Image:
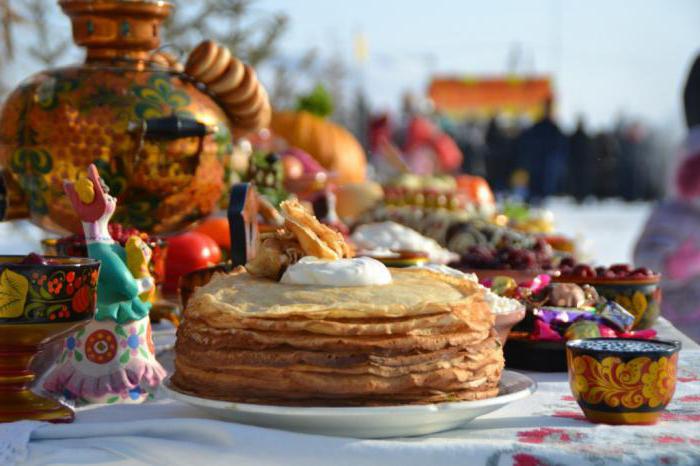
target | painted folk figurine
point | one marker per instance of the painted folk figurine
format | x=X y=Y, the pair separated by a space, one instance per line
x=112 y=359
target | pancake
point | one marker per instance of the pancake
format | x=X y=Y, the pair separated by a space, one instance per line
x=425 y=338
x=414 y=292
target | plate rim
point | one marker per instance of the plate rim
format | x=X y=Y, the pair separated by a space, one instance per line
x=309 y=411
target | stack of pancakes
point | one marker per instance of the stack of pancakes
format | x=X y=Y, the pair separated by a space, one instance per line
x=425 y=338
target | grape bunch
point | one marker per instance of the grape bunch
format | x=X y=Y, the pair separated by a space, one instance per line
x=482 y=245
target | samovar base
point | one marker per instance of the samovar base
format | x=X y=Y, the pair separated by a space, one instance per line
x=27 y=405
x=17 y=400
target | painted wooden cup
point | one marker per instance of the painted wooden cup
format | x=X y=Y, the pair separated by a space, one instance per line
x=39 y=302
x=622 y=381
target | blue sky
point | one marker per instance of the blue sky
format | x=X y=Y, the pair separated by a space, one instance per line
x=606 y=57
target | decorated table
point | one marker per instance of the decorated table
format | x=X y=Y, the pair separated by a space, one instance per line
x=322 y=317
x=546 y=428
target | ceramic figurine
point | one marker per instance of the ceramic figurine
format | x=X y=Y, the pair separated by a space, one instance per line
x=112 y=359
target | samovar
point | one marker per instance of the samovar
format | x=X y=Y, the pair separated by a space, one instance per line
x=160 y=142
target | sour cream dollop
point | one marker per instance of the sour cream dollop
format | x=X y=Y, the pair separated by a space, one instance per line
x=360 y=271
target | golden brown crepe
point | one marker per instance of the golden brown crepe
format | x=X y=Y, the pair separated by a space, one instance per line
x=301 y=235
x=425 y=338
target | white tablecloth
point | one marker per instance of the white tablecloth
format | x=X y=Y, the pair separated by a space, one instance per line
x=544 y=429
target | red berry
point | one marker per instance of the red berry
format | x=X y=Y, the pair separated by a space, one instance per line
x=618 y=268
x=567 y=262
x=600 y=271
x=644 y=271
x=34 y=259
x=584 y=271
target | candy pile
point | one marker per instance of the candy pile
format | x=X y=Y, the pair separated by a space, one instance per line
x=566 y=311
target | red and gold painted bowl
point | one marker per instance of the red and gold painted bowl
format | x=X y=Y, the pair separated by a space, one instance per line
x=622 y=381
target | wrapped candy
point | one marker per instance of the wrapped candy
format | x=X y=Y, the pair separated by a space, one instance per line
x=503 y=286
x=606 y=332
x=616 y=315
x=539 y=283
x=544 y=332
x=646 y=334
x=563 y=315
x=582 y=329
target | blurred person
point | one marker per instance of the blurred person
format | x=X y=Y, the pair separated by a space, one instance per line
x=385 y=157
x=632 y=167
x=497 y=167
x=542 y=152
x=670 y=242
x=472 y=145
x=581 y=161
x=607 y=151
x=428 y=150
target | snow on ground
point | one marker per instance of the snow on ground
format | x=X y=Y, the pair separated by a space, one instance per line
x=608 y=230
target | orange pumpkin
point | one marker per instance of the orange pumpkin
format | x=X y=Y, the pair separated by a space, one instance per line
x=334 y=147
x=476 y=188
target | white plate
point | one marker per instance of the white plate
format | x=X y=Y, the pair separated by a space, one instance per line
x=370 y=422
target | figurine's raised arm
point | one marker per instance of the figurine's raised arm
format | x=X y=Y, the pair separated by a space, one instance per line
x=93 y=204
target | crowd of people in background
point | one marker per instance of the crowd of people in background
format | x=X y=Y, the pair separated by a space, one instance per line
x=525 y=159
x=541 y=160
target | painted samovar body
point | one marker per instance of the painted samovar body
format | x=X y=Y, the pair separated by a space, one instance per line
x=159 y=141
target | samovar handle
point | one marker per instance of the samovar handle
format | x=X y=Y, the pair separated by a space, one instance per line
x=169 y=128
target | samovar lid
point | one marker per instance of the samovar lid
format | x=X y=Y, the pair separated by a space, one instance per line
x=116 y=28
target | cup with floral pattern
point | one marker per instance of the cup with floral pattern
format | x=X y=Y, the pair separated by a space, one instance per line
x=622 y=381
x=41 y=299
